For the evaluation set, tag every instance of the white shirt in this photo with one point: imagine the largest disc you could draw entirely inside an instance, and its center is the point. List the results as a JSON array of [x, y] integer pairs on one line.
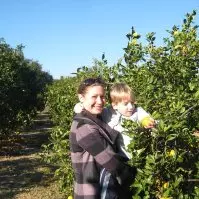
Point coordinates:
[[114, 120]]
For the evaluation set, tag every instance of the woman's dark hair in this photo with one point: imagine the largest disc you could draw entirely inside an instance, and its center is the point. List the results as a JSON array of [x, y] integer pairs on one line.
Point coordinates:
[[90, 82]]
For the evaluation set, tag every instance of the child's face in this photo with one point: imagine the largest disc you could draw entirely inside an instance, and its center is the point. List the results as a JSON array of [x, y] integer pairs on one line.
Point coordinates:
[[125, 107]]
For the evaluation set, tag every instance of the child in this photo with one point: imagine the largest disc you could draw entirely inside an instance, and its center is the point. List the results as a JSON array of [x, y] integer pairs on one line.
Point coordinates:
[[123, 107]]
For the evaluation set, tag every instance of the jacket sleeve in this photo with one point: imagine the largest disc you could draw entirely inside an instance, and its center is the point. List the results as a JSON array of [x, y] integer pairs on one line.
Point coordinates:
[[90, 139]]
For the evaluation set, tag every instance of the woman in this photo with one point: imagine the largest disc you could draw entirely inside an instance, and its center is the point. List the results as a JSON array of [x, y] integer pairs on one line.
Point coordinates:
[[93, 148]]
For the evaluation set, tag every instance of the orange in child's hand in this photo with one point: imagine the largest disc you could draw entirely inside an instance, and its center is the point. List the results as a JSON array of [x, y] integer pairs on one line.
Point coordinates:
[[146, 121]]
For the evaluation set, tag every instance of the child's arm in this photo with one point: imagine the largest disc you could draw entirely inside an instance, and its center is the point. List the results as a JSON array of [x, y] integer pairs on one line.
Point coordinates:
[[78, 107], [142, 117]]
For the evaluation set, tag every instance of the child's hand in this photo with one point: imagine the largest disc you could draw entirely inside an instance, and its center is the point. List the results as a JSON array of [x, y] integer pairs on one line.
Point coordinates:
[[148, 122], [78, 108], [151, 124]]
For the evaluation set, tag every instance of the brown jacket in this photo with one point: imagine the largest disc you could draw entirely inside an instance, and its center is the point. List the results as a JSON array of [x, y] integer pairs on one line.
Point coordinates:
[[93, 147]]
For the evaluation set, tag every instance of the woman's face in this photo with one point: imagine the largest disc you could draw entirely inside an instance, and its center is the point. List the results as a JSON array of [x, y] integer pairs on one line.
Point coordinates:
[[93, 100]]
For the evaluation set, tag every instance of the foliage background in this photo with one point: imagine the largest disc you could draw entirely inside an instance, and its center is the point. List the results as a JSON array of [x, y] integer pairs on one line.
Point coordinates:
[[22, 89]]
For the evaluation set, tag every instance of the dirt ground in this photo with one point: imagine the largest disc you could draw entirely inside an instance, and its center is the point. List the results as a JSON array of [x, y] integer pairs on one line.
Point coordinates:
[[23, 174]]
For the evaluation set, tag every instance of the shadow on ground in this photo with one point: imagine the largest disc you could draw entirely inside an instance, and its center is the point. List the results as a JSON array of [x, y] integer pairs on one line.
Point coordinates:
[[18, 174], [23, 168]]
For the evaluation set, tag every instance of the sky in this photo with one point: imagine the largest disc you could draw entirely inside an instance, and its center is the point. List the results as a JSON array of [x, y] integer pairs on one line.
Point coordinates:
[[63, 35]]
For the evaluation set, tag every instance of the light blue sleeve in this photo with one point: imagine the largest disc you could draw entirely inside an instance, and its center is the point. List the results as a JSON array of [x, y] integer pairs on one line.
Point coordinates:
[[139, 115], [111, 117]]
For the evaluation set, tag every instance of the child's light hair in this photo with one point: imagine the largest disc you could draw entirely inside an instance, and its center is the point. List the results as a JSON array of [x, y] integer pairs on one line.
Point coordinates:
[[120, 91]]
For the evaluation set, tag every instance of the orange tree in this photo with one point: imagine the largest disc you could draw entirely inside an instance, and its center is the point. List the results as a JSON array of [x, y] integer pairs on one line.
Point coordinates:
[[22, 88], [61, 100], [166, 81]]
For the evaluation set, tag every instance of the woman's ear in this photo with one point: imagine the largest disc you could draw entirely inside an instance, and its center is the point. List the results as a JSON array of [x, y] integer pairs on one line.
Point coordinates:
[[81, 98]]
